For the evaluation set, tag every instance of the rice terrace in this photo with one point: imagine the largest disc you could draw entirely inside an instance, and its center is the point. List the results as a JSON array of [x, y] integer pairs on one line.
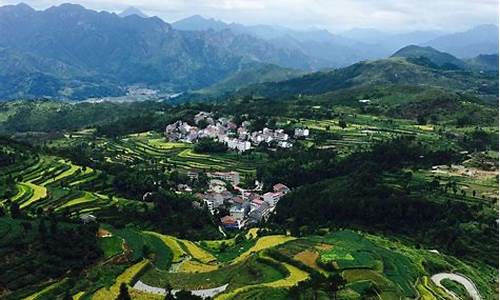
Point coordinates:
[[267, 150]]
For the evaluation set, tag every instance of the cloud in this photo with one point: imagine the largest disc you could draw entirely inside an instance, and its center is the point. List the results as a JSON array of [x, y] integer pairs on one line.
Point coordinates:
[[335, 15]]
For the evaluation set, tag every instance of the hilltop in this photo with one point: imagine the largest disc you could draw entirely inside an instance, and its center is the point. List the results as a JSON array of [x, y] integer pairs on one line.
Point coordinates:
[[435, 57]]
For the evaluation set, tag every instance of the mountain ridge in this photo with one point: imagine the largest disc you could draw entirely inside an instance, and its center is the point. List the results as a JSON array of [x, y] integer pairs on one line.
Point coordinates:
[[116, 52]]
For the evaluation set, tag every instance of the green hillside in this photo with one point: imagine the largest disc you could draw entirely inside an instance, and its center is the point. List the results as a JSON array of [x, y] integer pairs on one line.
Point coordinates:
[[392, 71], [430, 56]]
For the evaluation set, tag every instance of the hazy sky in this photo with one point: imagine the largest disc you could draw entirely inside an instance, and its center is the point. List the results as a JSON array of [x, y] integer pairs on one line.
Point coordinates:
[[335, 15]]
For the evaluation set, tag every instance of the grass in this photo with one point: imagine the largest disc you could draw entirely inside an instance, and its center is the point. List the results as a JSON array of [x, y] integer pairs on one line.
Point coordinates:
[[352, 251], [264, 243], [137, 241], [191, 266], [85, 198], [231, 250], [178, 253], [72, 170], [456, 288], [39, 192], [111, 246], [295, 276], [309, 258], [428, 291], [251, 271], [126, 277], [47, 290], [197, 253]]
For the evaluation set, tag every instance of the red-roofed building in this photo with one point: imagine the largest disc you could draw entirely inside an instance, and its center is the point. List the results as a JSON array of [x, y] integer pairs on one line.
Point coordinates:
[[230, 222], [281, 188]]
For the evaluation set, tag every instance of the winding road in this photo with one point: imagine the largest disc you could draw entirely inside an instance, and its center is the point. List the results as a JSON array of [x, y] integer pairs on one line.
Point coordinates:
[[466, 282]]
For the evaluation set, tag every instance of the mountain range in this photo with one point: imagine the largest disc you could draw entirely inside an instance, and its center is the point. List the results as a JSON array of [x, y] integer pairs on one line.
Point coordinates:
[[70, 52], [409, 68], [337, 50]]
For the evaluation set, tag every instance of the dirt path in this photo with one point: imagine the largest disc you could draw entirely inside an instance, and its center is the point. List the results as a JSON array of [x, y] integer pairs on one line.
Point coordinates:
[[466, 282]]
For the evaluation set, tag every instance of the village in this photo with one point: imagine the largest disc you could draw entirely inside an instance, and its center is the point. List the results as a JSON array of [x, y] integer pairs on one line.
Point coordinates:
[[225, 131], [237, 207]]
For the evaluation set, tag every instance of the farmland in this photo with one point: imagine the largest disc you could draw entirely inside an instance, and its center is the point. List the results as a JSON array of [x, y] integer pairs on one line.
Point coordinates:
[[151, 231], [364, 260]]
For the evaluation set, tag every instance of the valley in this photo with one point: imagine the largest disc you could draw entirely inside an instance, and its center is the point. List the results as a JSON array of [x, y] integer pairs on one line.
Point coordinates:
[[199, 158], [67, 177]]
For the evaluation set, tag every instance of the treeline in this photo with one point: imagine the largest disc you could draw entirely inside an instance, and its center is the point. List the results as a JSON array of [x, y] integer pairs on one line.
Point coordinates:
[[207, 145], [44, 250]]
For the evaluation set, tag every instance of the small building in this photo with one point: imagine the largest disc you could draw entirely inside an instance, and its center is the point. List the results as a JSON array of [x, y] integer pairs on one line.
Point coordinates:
[[301, 133], [281, 188], [229, 222], [237, 212], [88, 218], [233, 177], [261, 213], [285, 145], [192, 175], [237, 200], [238, 145], [184, 188], [272, 198], [213, 201]]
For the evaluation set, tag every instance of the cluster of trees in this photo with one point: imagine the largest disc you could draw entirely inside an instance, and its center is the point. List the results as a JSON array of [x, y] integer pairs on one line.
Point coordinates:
[[47, 249], [178, 214], [480, 140], [297, 167], [207, 145], [164, 211]]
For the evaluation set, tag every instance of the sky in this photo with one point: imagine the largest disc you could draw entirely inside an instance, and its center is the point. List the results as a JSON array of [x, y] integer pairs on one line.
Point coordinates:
[[333, 15]]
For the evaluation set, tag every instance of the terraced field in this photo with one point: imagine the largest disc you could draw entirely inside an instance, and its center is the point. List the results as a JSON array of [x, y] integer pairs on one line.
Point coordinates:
[[144, 147], [360, 259], [50, 183], [363, 260], [364, 130]]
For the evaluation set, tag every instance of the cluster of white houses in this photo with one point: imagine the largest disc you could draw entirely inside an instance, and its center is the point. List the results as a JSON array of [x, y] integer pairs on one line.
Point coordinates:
[[245, 207], [225, 131]]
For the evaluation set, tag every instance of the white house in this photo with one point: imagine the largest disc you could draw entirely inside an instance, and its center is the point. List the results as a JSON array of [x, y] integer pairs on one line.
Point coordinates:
[[233, 177], [272, 198], [237, 212], [299, 132], [236, 144]]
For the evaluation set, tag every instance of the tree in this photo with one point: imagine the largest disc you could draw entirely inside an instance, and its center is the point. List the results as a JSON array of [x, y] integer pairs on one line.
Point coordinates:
[[169, 295], [146, 251], [15, 211], [186, 295], [67, 296], [342, 123], [124, 295], [335, 283]]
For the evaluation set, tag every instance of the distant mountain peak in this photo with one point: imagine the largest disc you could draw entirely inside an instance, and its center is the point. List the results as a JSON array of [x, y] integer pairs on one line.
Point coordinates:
[[432, 55], [198, 22], [131, 11], [23, 5]]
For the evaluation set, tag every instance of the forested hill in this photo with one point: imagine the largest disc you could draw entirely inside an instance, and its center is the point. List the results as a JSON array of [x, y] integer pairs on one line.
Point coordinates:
[[391, 71], [437, 58]]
